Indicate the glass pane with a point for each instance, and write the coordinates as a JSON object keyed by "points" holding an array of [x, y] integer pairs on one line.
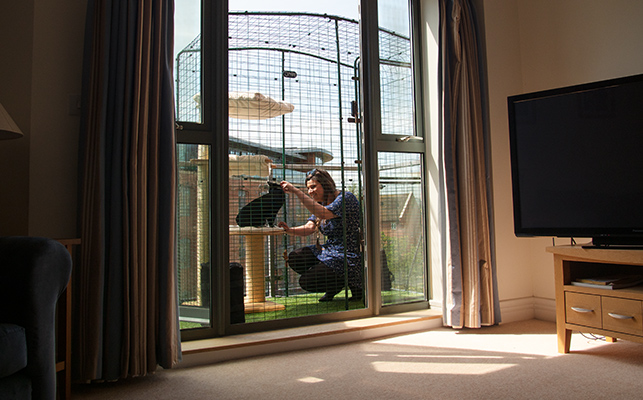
{"points": [[194, 235], [402, 227], [187, 60], [396, 78], [291, 86]]}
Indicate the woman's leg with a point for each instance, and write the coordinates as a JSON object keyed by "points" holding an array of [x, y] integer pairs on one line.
{"points": [[321, 279], [315, 276], [302, 259]]}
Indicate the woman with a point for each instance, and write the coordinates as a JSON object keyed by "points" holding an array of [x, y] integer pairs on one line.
{"points": [[322, 267]]}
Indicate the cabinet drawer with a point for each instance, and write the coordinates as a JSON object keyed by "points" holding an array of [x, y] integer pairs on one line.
{"points": [[583, 309], [622, 315]]}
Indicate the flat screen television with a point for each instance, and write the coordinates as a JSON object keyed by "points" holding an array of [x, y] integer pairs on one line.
{"points": [[577, 162]]}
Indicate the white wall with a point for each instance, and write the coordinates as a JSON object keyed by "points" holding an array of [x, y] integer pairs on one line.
{"points": [[58, 39], [537, 45], [42, 45], [16, 36]]}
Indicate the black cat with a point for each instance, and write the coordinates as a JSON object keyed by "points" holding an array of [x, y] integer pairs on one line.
{"points": [[263, 210]]}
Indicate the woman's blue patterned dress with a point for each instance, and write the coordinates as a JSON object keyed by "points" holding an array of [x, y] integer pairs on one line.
{"points": [[333, 253]]}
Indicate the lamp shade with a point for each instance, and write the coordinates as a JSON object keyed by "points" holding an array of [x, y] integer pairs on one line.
{"points": [[8, 128]]}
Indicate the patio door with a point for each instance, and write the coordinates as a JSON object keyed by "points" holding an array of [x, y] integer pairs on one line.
{"points": [[291, 82], [275, 95], [402, 173]]}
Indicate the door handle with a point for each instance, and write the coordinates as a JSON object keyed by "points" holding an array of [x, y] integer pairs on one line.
{"points": [[354, 113]]}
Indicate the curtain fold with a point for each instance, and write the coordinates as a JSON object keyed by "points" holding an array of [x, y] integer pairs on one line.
{"points": [[125, 284], [471, 298]]}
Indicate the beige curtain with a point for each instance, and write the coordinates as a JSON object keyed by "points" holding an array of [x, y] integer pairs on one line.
{"points": [[470, 295], [125, 299]]}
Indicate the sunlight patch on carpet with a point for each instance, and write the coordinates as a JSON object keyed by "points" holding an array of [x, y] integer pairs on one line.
{"points": [[310, 379], [468, 357], [439, 368]]}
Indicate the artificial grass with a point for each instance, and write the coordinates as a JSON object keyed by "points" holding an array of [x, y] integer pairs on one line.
{"points": [[189, 325], [301, 305]]}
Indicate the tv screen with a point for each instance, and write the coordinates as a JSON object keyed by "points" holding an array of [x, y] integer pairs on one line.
{"points": [[577, 161]]}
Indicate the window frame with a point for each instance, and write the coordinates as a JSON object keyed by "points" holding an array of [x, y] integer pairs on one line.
{"points": [[214, 58]]}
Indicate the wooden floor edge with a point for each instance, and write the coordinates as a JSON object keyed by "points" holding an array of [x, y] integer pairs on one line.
{"points": [[210, 348]]}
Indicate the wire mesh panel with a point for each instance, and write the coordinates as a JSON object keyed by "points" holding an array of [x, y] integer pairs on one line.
{"points": [[187, 83], [396, 77], [397, 99], [306, 61], [194, 234], [402, 227]]}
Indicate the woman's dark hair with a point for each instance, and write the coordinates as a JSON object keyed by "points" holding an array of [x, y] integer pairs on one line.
{"points": [[325, 180]]}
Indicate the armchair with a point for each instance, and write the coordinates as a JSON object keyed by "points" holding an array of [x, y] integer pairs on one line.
{"points": [[33, 273]]}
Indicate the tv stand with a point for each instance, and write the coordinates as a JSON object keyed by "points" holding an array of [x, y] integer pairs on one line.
{"points": [[611, 313]]}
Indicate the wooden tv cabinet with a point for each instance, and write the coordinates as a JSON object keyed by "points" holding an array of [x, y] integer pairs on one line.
{"points": [[612, 313]]}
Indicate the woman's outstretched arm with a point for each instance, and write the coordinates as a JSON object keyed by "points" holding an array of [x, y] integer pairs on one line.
{"points": [[303, 230], [315, 208]]}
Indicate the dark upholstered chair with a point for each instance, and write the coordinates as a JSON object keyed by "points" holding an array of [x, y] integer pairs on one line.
{"points": [[34, 272]]}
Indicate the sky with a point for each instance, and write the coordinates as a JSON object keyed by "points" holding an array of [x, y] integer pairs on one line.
{"points": [[187, 13], [344, 8]]}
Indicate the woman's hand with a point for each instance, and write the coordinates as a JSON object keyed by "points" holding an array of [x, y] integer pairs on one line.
{"points": [[287, 187], [302, 230], [284, 226]]}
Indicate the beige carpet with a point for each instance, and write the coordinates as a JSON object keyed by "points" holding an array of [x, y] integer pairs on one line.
{"points": [[510, 361]]}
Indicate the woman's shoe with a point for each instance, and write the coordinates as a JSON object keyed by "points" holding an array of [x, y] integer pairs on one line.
{"points": [[358, 294], [328, 296]]}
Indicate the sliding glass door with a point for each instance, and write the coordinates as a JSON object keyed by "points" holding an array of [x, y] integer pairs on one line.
{"points": [[401, 147], [281, 92], [291, 79]]}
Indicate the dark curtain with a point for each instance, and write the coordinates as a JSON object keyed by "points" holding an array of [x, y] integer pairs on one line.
{"points": [[471, 298], [125, 299]]}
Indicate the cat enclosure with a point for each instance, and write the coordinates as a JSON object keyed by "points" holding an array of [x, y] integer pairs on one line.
{"points": [[294, 99]]}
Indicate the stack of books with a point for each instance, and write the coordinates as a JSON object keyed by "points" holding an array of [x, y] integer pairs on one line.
{"points": [[610, 282]]}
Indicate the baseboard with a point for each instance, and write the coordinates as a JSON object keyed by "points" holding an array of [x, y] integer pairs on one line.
{"points": [[514, 310], [523, 309], [202, 352], [545, 309], [517, 309]]}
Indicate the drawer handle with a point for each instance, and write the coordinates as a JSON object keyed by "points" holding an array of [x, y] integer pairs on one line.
{"points": [[582, 310], [620, 316]]}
